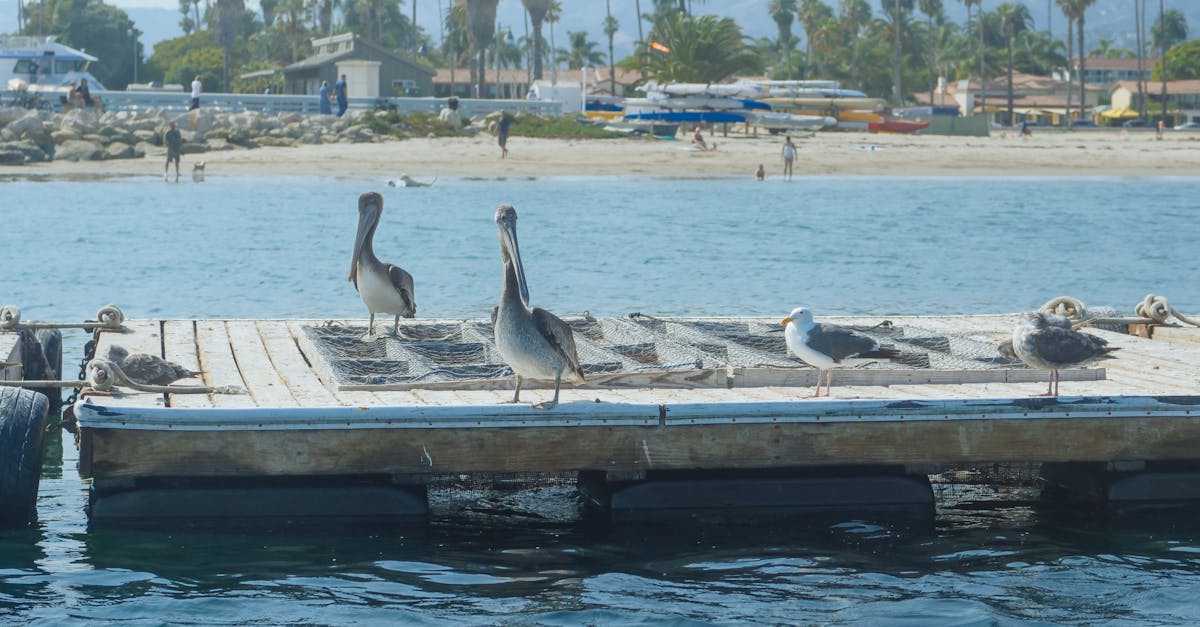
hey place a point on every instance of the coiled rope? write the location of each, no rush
(103, 375)
(109, 317)
(1151, 309)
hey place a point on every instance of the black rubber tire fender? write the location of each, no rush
(22, 422)
(51, 343)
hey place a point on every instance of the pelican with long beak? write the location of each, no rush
(385, 288)
(535, 343)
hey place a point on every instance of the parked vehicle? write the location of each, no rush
(1083, 124)
(1188, 126)
(1135, 124)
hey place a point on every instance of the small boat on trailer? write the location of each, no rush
(306, 420)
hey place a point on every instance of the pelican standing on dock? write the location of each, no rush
(384, 288)
(828, 346)
(535, 343)
(1048, 341)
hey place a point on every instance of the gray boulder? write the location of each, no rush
(11, 157)
(118, 150)
(78, 150)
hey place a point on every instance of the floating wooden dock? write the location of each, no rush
(665, 395)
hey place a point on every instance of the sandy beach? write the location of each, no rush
(1047, 153)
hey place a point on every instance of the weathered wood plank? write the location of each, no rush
(179, 346)
(290, 363)
(138, 336)
(219, 364)
(1176, 334)
(132, 453)
(262, 381)
(11, 357)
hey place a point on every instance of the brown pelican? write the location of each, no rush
(146, 368)
(535, 343)
(385, 288)
(827, 346)
(1047, 341)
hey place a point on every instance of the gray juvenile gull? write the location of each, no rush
(535, 343)
(1005, 348)
(1047, 341)
(147, 369)
(384, 288)
(828, 346)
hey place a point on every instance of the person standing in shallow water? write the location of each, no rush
(174, 143)
(789, 156)
(339, 91)
(196, 87)
(502, 132)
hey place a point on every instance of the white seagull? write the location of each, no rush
(828, 346)
(1047, 341)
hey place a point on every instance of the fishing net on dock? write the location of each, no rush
(441, 351)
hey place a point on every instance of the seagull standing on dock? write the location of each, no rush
(384, 288)
(535, 343)
(148, 369)
(828, 346)
(1047, 341)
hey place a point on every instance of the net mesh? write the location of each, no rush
(451, 351)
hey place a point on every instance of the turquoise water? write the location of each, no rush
(243, 246)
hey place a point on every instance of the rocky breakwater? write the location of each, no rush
(28, 136)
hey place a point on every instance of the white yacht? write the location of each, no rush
(43, 64)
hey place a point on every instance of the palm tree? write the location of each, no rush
(1068, 10)
(932, 9)
(581, 52)
(855, 16)
(610, 28)
(456, 43)
(783, 12)
(979, 25)
(481, 27)
(1014, 19)
(1171, 28)
(537, 14)
(812, 14)
(704, 49)
(1080, 10)
(552, 17)
(897, 10)
(229, 19)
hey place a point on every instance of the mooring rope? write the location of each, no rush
(1151, 309)
(109, 317)
(103, 375)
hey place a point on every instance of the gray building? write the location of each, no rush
(398, 75)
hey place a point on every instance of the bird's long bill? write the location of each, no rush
(369, 210)
(785, 322)
(508, 237)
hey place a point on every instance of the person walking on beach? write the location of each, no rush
(339, 91)
(502, 132)
(760, 173)
(789, 156)
(324, 107)
(196, 86)
(174, 143)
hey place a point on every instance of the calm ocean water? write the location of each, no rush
(246, 247)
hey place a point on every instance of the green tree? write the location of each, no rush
(703, 49)
(186, 23)
(1183, 62)
(103, 30)
(229, 32)
(611, 26)
(1014, 19)
(582, 52)
(1171, 29)
(854, 18)
(783, 12)
(537, 10)
(481, 27)
(898, 11)
(813, 15)
(933, 10)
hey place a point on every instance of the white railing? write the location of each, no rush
(310, 105)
